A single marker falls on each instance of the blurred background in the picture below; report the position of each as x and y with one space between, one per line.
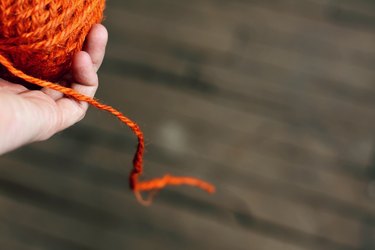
272 101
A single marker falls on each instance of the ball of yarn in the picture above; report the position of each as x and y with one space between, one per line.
40 37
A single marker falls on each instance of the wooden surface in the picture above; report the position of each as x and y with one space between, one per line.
272 101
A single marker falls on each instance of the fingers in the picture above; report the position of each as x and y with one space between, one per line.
4 83
11 87
61 112
95 44
84 74
53 94
72 111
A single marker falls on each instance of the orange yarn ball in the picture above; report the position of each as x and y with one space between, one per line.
40 37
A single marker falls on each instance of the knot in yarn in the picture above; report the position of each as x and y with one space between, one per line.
40 37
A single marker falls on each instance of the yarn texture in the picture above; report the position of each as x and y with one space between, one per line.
38 39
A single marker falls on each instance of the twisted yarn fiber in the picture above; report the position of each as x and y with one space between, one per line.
38 39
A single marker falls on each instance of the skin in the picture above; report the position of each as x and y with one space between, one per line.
28 116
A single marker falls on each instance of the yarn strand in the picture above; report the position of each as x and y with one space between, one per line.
136 185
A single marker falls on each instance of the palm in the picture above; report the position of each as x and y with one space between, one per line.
33 115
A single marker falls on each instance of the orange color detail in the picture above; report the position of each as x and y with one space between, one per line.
136 185
38 39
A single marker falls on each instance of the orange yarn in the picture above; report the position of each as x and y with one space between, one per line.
38 39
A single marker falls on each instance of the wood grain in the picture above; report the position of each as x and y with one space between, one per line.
272 101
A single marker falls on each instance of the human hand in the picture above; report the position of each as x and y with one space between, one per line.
27 115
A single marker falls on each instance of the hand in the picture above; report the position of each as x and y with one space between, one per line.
34 115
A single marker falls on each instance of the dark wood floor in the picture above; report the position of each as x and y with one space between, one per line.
272 101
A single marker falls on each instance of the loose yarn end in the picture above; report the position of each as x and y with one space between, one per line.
136 185
38 39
